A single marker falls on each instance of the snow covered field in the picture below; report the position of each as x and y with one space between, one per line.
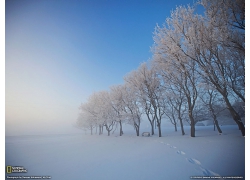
94 157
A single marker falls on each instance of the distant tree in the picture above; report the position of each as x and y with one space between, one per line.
107 113
92 108
84 121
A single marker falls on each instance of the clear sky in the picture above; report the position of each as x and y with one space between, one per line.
57 53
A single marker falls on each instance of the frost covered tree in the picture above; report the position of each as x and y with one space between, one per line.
85 122
211 100
147 84
117 103
227 18
171 113
98 111
215 46
181 71
132 107
106 112
90 112
176 103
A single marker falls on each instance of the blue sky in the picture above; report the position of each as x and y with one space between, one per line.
57 53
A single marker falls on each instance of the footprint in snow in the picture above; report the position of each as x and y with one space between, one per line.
210 173
172 147
193 161
181 152
168 144
204 171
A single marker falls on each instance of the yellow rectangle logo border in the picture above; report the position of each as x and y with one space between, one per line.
8 169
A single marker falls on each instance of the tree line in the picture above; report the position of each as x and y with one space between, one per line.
197 69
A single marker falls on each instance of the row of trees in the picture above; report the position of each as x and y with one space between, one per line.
198 64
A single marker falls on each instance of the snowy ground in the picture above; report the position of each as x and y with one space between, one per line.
86 157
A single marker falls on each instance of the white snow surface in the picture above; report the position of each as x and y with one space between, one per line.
100 157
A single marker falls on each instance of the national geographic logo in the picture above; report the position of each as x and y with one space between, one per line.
15 169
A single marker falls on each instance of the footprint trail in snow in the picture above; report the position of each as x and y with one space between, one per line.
197 163
193 161
204 171
181 152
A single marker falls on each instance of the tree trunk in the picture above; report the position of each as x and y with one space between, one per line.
182 128
179 117
152 127
159 128
215 121
235 116
151 123
192 130
137 130
192 126
217 126
213 113
175 127
99 129
108 129
121 132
